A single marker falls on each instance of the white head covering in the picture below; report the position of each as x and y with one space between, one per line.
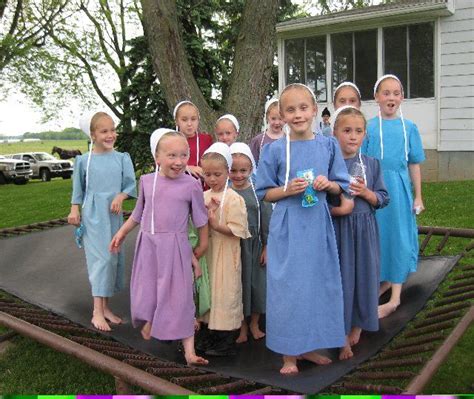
350 84
224 150
336 115
382 78
242 148
286 130
231 118
85 125
155 138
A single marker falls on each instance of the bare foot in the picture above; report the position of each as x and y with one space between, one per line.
256 332
146 331
354 336
99 322
289 365
195 360
316 358
111 317
345 352
387 309
242 338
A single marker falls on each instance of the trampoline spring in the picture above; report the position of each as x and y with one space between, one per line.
264 391
411 350
159 371
60 327
16 307
432 328
101 348
379 364
372 388
455 299
384 375
7 300
104 342
462 284
231 387
467 267
197 379
122 356
447 309
438 319
464 276
425 242
149 363
419 341
458 291
442 243
40 319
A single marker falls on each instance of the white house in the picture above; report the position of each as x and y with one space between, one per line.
428 44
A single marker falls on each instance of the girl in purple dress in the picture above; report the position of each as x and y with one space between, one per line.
161 288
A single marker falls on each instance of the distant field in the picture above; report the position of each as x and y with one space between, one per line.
43 146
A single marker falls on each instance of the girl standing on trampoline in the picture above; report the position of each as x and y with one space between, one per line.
161 288
304 291
397 143
103 178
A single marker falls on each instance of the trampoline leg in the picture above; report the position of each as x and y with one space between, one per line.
121 387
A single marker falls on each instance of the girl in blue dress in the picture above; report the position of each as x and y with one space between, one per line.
397 143
304 291
357 233
103 178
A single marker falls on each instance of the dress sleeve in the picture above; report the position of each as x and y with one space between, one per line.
415 147
78 181
255 147
129 183
236 216
379 188
198 208
265 215
337 167
140 204
266 172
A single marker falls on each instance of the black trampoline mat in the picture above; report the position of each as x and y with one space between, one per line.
47 269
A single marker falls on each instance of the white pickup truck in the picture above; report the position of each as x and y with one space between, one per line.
13 170
45 166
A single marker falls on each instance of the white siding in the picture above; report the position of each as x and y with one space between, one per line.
456 79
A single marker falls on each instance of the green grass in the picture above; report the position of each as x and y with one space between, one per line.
43 146
31 368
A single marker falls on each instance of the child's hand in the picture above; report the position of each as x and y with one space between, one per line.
197 325
321 183
212 218
213 204
116 206
74 217
418 206
196 171
263 256
296 186
116 242
199 251
358 189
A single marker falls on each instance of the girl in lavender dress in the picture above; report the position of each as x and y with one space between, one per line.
161 288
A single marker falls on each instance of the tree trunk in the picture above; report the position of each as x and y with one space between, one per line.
251 73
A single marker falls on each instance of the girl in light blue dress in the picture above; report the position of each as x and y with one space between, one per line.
396 142
304 291
103 178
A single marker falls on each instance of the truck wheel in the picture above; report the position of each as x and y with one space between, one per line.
45 175
2 179
66 177
21 182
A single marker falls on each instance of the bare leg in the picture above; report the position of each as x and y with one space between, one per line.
315 358
190 353
346 352
254 327
108 313
98 319
354 336
244 332
146 331
289 365
392 305
384 287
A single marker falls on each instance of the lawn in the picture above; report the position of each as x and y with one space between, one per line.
43 146
31 368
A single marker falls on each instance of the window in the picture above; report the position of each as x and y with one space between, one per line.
305 61
408 54
354 59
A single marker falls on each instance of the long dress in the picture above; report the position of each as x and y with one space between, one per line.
254 275
304 290
224 264
357 239
161 287
110 173
397 222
